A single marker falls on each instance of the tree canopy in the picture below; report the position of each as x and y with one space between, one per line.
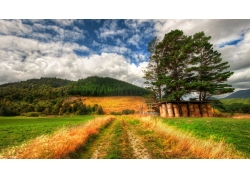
180 64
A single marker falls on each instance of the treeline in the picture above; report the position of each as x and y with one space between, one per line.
47 107
104 86
28 91
124 112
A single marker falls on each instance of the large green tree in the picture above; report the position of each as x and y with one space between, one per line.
175 52
210 72
180 64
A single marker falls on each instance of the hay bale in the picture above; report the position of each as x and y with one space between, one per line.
170 110
191 110
209 110
197 110
184 110
163 108
204 110
176 110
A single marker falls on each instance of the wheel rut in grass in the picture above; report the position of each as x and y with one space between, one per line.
100 147
139 150
136 143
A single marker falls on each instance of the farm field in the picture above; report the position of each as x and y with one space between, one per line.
15 130
113 103
232 131
136 137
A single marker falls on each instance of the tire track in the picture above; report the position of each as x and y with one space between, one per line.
139 150
101 146
137 145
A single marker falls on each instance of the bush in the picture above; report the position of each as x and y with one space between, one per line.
32 114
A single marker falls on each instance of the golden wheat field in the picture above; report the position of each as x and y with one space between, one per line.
113 103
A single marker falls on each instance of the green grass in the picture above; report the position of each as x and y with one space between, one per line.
232 131
235 100
15 130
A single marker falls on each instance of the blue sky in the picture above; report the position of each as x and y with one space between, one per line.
117 48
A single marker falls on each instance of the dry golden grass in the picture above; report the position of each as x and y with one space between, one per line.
241 116
113 103
184 143
57 145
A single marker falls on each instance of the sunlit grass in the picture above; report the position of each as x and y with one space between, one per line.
114 103
232 131
181 144
16 130
58 144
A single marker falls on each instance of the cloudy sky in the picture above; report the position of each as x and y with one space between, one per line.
74 49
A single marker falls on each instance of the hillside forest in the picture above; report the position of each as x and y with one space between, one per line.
47 95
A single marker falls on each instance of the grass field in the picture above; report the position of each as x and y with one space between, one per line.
15 130
124 137
113 103
233 131
235 100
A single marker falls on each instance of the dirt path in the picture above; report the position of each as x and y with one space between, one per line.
139 150
119 141
101 146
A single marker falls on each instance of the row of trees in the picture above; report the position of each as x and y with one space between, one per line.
48 107
180 65
104 86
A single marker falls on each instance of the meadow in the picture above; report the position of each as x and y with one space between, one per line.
233 131
16 130
112 103
124 137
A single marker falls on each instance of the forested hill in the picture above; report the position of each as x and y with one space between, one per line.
104 86
43 88
240 94
47 95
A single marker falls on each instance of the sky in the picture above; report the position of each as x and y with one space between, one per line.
77 48
109 41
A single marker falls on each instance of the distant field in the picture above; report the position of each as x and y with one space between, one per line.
233 131
15 130
114 103
235 100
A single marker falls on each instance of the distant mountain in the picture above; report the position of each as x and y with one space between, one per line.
104 86
240 94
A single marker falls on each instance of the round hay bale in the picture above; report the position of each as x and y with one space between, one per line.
176 110
170 110
197 110
184 110
191 110
209 110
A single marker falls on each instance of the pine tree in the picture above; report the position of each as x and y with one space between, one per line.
175 51
210 71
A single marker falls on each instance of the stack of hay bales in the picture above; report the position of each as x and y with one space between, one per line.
209 110
176 110
184 110
204 110
170 110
